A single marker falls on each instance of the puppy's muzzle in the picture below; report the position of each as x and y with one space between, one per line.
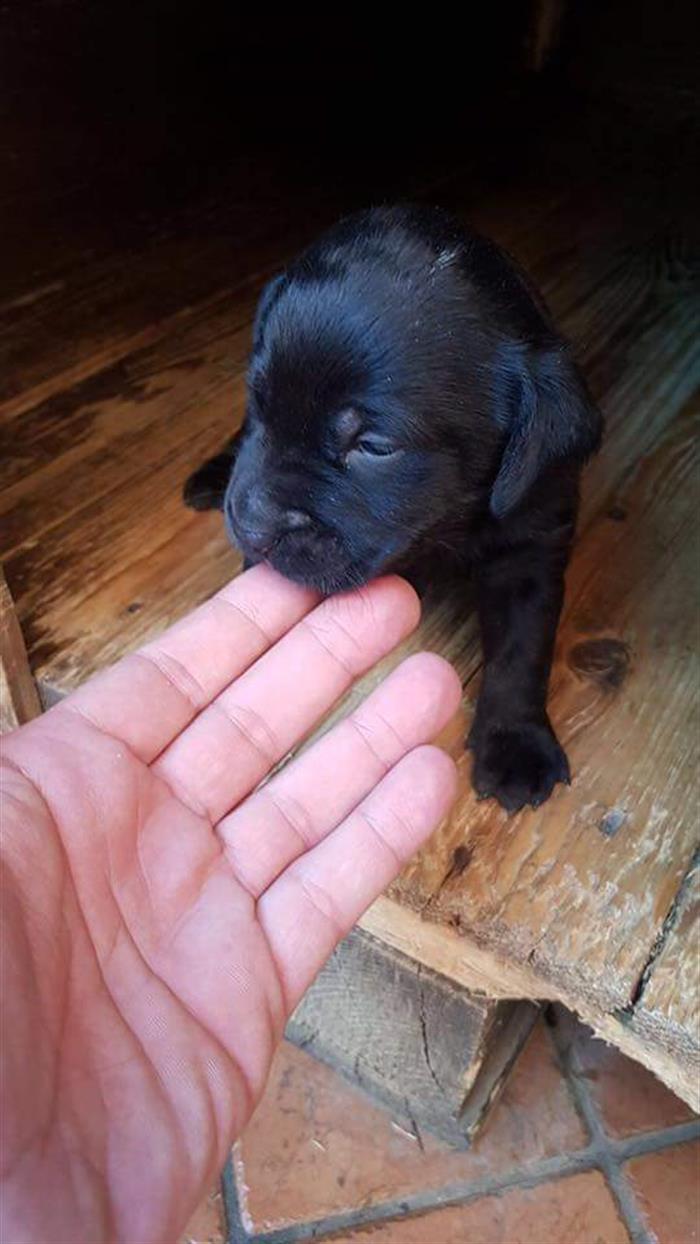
256 523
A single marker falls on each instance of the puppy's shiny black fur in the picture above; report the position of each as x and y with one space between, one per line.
409 397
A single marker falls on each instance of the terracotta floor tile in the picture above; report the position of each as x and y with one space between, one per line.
208 1223
629 1097
668 1187
578 1210
316 1146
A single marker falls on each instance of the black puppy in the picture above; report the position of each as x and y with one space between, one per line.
408 395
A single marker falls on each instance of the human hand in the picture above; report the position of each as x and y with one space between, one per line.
162 915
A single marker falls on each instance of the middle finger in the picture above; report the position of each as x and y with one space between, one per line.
229 747
303 803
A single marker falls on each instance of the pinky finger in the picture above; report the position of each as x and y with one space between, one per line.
318 899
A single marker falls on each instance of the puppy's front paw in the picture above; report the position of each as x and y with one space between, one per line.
206 487
203 490
517 764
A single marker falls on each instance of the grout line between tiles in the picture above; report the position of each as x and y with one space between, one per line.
609 1163
592 1157
602 1153
417 1203
653 1142
235 1230
460 1193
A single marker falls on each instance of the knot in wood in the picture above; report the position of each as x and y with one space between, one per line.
604 661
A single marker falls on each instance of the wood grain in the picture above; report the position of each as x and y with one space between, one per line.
667 1009
75 319
19 701
573 900
486 974
612 850
429 1049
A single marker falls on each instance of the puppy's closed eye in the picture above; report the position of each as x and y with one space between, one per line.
370 445
359 441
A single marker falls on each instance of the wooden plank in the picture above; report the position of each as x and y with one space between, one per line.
80 317
19 701
482 971
573 900
99 526
667 1010
426 1047
75 447
95 487
75 319
581 887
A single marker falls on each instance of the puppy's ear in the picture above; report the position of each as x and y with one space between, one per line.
550 417
267 298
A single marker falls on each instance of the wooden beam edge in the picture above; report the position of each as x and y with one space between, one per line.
485 973
19 699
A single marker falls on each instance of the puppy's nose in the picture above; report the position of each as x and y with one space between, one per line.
257 540
257 523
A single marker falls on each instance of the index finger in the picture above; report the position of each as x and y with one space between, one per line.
149 697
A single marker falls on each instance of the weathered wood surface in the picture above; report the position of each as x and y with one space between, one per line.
91 476
667 1010
610 852
429 1049
581 893
19 701
672 1053
578 900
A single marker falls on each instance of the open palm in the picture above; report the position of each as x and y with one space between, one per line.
163 912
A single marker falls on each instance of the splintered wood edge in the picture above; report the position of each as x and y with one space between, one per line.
486 974
19 700
438 947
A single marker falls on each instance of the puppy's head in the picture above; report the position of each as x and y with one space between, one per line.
349 456
383 392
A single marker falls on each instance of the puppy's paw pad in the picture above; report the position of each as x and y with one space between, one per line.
517 765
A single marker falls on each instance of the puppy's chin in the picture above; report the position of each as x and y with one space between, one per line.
324 579
320 562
